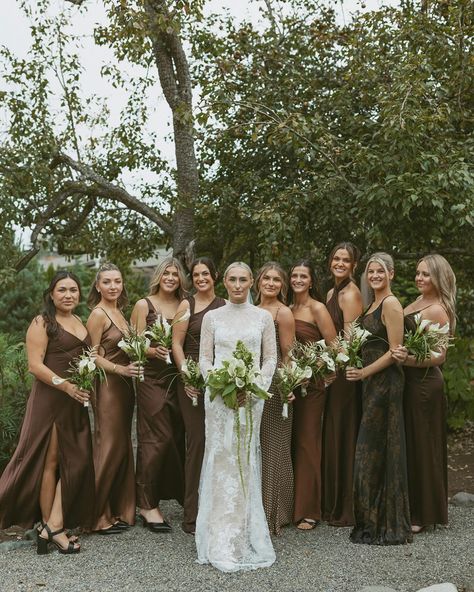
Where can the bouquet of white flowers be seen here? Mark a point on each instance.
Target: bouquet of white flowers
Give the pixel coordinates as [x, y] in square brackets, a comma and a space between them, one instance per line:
[191, 376]
[162, 332]
[290, 376]
[84, 372]
[427, 339]
[135, 344]
[348, 347]
[316, 355]
[235, 377]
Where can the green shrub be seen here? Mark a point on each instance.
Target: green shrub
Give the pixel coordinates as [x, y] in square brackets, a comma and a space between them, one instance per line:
[458, 374]
[15, 383]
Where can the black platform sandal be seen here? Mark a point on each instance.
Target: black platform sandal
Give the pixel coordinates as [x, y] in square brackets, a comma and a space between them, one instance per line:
[72, 537]
[43, 544]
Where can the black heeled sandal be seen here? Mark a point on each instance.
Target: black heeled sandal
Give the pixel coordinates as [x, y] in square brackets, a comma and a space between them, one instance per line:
[42, 547]
[72, 537]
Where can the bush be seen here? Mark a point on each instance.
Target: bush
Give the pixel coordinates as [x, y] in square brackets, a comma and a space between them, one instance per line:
[15, 383]
[458, 374]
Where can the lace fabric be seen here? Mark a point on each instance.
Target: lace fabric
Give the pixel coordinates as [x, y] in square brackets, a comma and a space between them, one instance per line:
[231, 528]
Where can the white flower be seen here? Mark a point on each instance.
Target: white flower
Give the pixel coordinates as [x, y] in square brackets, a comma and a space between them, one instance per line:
[423, 324]
[184, 369]
[307, 372]
[435, 328]
[239, 382]
[91, 365]
[341, 357]
[435, 354]
[328, 361]
[166, 326]
[321, 343]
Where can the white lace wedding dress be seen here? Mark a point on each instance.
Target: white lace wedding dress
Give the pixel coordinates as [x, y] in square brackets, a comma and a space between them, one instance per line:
[231, 528]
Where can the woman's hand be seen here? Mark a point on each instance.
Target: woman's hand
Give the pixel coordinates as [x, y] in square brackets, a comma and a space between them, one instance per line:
[354, 374]
[77, 394]
[133, 370]
[192, 392]
[162, 353]
[329, 379]
[291, 397]
[399, 354]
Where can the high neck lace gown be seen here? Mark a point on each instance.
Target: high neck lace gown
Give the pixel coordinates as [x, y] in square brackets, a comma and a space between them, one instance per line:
[231, 528]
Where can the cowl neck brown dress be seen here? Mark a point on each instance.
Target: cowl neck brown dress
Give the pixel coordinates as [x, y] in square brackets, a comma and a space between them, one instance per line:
[47, 406]
[113, 453]
[340, 427]
[306, 437]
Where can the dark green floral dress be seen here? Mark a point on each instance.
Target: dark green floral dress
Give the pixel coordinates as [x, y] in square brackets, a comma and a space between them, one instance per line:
[381, 507]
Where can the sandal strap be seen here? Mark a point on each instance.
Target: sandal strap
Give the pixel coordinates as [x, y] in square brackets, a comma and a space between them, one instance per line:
[52, 534]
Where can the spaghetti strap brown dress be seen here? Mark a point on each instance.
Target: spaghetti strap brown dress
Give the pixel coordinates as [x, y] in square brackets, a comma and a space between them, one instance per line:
[381, 506]
[113, 406]
[160, 433]
[340, 427]
[425, 424]
[307, 436]
[193, 417]
[20, 482]
[277, 468]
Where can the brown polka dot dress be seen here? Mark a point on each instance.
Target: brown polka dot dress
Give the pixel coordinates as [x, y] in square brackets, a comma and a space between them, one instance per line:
[277, 469]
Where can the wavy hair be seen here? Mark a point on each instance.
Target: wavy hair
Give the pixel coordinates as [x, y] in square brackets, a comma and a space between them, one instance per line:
[49, 310]
[383, 259]
[283, 294]
[314, 291]
[154, 287]
[444, 281]
[94, 296]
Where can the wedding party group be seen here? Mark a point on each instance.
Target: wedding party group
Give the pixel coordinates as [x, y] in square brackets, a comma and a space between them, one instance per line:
[268, 408]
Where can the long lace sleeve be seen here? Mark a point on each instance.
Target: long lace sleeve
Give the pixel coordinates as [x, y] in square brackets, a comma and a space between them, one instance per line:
[206, 349]
[269, 352]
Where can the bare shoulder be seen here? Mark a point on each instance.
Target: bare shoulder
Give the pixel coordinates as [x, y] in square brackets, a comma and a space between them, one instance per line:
[391, 304]
[350, 292]
[37, 326]
[141, 305]
[435, 313]
[183, 306]
[285, 314]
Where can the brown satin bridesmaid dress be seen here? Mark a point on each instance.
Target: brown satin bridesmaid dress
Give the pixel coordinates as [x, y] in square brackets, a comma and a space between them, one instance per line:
[307, 436]
[20, 482]
[113, 406]
[341, 422]
[193, 417]
[160, 433]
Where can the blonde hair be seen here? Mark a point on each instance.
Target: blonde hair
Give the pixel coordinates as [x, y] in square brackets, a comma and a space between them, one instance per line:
[238, 264]
[282, 296]
[444, 281]
[383, 259]
[94, 296]
[154, 287]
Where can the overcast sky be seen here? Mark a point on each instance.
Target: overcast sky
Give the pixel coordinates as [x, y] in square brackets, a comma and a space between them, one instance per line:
[14, 34]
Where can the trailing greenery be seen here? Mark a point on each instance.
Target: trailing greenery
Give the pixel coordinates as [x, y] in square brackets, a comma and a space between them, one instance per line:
[15, 383]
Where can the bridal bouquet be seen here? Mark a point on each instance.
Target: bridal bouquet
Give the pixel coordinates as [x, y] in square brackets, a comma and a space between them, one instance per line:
[235, 377]
[135, 344]
[84, 372]
[191, 376]
[316, 355]
[350, 345]
[161, 331]
[427, 339]
[290, 376]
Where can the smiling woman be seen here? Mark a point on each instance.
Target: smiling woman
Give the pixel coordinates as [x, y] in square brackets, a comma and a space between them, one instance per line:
[50, 476]
[381, 507]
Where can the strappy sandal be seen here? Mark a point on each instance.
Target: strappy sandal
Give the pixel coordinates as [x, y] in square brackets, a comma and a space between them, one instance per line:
[310, 522]
[72, 537]
[42, 547]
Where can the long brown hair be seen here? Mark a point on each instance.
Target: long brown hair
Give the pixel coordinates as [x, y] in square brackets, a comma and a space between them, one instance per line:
[154, 288]
[354, 254]
[443, 279]
[283, 294]
[94, 296]
[314, 288]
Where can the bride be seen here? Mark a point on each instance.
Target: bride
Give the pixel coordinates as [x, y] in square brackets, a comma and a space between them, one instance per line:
[231, 528]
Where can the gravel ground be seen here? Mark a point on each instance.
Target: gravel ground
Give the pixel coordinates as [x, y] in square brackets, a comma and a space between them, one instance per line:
[322, 560]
